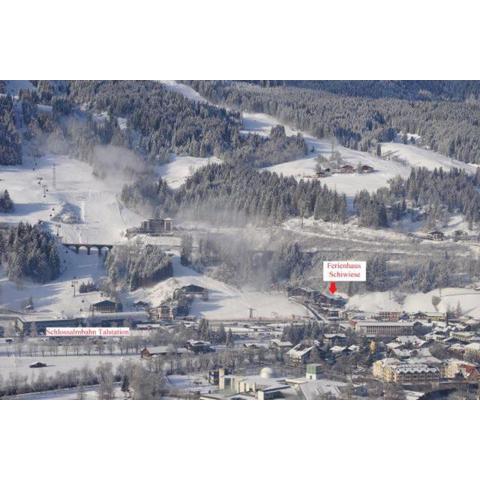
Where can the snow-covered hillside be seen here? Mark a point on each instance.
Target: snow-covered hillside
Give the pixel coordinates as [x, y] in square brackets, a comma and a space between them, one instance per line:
[103, 217]
[184, 90]
[350, 184]
[468, 299]
[420, 157]
[180, 168]
[56, 297]
[384, 169]
[225, 302]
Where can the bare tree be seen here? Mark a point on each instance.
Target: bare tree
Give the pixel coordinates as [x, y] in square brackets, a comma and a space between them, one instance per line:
[106, 381]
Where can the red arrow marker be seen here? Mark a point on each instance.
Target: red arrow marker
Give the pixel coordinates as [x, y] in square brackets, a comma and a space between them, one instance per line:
[332, 288]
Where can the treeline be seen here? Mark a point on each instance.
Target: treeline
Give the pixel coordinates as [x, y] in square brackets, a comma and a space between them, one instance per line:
[30, 252]
[422, 275]
[226, 193]
[456, 90]
[258, 151]
[137, 266]
[438, 193]
[449, 127]
[10, 142]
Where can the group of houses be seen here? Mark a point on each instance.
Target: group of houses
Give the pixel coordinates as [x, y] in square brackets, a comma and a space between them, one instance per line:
[178, 306]
[330, 306]
[344, 169]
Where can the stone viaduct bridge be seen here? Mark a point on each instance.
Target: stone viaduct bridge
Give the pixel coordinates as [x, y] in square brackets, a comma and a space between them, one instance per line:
[100, 247]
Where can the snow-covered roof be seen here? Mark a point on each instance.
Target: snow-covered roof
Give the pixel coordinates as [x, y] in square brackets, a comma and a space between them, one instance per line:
[413, 339]
[298, 351]
[414, 368]
[313, 389]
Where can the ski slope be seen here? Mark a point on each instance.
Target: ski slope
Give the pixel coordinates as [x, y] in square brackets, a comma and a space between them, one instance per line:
[103, 217]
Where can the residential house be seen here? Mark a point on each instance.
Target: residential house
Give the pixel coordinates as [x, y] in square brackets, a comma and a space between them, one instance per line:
[300, 354]
[106, 306]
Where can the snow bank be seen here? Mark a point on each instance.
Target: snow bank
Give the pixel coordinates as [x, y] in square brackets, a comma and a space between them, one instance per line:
[468, 299]
[374, 302]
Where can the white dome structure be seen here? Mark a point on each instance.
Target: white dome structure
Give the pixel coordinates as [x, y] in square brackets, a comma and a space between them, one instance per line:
[266, 372]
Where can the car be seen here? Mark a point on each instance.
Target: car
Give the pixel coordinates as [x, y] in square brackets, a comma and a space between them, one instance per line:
[37, 365]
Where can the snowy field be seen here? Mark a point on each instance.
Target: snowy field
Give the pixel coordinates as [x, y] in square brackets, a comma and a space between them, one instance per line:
[60, 363]
[318, 229]
[180, 168]
[469, 300]
[88, 393]
[420, 157]
[103, 217]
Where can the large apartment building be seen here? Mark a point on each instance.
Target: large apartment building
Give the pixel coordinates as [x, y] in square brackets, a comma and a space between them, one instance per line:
[393, 371]
[384, 329]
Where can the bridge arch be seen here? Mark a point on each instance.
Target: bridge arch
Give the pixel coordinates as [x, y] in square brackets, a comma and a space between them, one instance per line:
[100, 247]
